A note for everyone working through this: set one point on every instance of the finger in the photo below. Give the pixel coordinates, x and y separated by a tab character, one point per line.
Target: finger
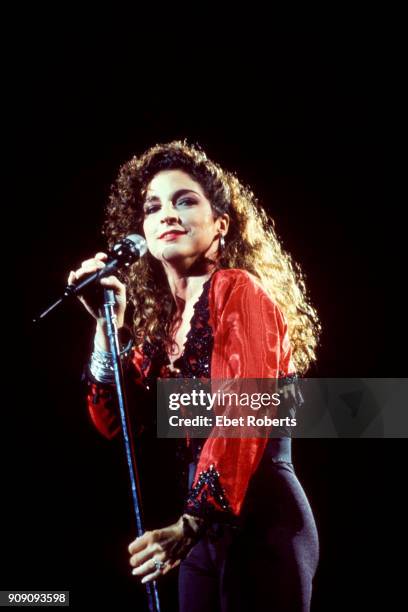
146	539
151	577
147	568
101	256
87	269
86	263
90	265
144	555
138	544
157	573
170	565
72	278
149	573
112	282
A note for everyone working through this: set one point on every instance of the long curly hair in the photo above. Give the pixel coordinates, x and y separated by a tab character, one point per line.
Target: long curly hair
251	244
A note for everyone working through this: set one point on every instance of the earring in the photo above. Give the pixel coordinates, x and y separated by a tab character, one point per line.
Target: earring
222	243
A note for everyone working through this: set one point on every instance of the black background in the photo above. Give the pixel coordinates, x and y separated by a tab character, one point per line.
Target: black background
304	120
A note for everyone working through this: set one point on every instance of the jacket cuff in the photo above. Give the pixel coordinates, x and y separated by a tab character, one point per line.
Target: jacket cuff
207	499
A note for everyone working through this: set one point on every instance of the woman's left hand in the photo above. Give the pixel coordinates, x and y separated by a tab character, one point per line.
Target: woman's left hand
157	552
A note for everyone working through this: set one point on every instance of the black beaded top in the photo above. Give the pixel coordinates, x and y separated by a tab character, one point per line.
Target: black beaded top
195	361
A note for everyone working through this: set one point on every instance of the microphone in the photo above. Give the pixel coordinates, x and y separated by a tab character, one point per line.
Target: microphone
123	254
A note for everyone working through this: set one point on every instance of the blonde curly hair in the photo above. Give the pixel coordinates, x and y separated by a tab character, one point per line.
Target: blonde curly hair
251	244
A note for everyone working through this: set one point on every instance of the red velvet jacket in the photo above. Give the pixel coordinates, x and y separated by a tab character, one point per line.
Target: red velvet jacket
250	340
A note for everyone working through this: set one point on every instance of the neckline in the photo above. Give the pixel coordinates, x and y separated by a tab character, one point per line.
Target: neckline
189	335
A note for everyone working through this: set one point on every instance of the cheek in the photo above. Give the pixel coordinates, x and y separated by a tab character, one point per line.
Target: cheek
206	227
149	236
147	229
204	224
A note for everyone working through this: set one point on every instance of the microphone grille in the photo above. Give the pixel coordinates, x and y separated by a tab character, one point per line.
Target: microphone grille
139	242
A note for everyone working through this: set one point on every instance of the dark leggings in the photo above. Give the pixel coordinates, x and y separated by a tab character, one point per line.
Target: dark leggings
268	563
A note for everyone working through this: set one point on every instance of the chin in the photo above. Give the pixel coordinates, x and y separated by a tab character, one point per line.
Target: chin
173	251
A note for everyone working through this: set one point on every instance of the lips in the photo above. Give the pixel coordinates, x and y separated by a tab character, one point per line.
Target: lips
170	233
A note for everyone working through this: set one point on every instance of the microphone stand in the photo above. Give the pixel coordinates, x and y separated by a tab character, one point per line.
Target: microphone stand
109	303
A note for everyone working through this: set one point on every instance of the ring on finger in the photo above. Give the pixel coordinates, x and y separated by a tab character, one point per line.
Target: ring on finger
158	564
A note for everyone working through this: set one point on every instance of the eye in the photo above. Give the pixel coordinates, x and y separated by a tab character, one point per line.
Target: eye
186	201
150	209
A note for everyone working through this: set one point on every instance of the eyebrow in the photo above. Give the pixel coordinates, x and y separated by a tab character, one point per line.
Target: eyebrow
175	195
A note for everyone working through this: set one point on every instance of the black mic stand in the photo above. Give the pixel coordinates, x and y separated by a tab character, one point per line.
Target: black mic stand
112	331
124	253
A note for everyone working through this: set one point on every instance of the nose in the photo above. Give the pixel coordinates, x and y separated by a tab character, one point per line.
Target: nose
168	214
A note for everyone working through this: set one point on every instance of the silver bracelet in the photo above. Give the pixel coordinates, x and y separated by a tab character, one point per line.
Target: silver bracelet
101	363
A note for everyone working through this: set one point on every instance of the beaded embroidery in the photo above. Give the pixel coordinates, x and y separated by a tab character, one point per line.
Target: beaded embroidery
195	361
208	485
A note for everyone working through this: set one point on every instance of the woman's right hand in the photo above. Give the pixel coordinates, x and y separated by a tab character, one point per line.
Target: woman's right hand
89	266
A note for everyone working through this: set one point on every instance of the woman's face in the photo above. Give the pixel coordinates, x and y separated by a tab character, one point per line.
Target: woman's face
179	224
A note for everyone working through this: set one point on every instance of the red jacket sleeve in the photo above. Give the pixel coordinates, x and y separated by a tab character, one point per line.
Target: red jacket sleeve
102	402
250	341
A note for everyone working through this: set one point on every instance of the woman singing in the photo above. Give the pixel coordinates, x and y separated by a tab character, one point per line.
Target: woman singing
216	296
